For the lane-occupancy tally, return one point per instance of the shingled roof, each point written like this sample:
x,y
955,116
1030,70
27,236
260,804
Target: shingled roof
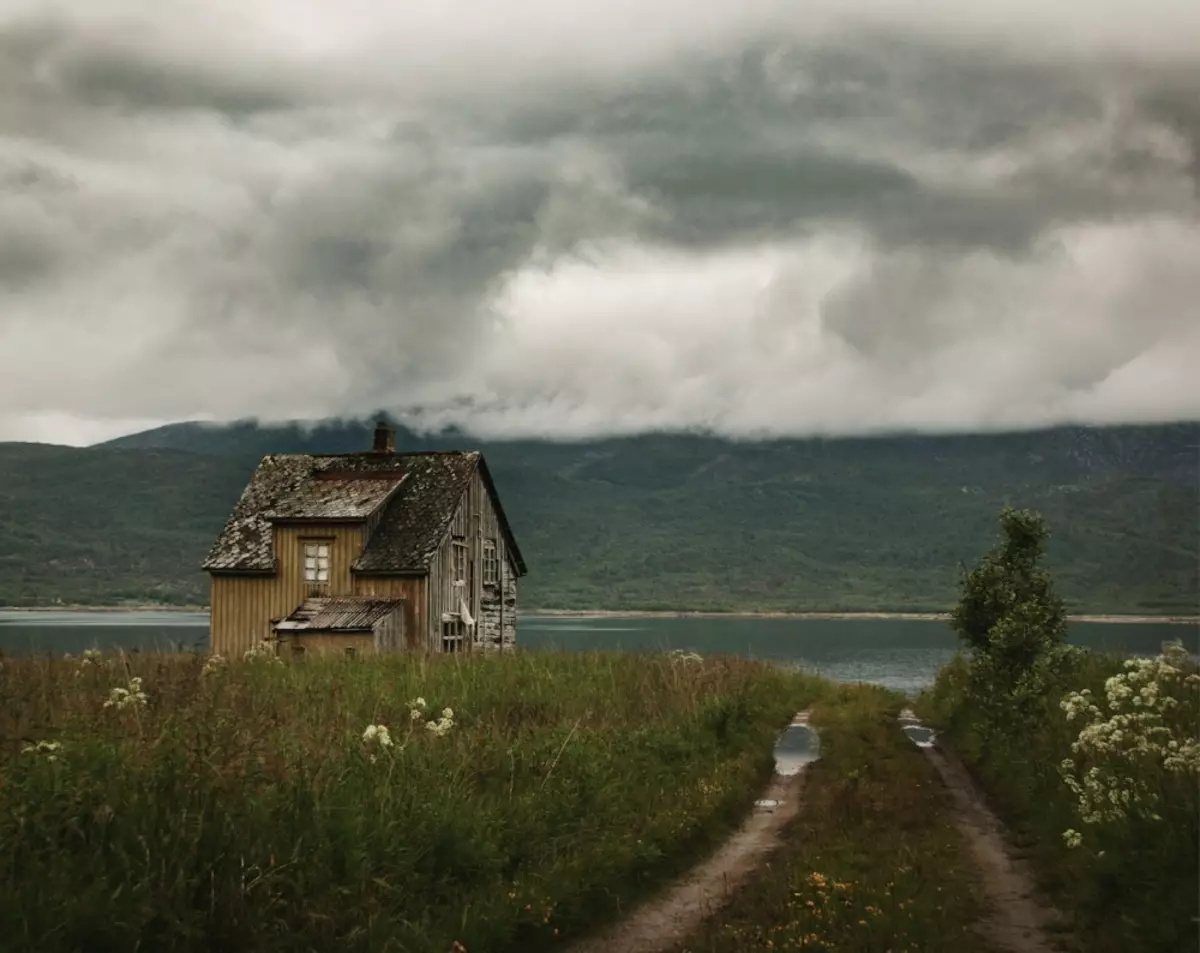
x,y
339,614
417,494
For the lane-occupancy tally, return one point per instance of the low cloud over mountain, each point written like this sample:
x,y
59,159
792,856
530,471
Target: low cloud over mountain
x,y
583,218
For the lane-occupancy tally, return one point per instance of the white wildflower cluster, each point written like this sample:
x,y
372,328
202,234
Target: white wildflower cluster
x,y
443,724
123,697
418,708
264,651
47,749
376,738
90,658
679,655
214,663
1142,733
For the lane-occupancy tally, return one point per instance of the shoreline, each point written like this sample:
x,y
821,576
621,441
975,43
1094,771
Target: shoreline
x,y
832,616
677,614
113,609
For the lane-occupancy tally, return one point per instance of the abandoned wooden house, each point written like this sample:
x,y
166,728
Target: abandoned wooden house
x,y
366,552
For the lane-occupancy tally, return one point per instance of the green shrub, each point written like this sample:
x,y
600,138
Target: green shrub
x,y
1093,759
1132,882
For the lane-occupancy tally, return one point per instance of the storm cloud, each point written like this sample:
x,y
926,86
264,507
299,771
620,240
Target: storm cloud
x,y
570,219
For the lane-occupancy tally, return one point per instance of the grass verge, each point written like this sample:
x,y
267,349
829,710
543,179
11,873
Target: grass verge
x,y
1131,886
873,862
240,808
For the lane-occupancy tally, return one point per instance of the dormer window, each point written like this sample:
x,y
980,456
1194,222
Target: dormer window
x,y
316,562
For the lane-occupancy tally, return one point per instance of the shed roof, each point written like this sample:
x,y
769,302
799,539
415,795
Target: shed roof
x,y
414,494
339,614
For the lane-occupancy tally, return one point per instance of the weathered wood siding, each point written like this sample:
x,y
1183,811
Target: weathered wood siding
x,y
388,635
508,604
390,632
409,588
327,643
493,604
244,607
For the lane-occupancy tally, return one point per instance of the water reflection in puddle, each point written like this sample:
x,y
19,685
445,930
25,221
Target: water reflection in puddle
x,y
798,746
917,733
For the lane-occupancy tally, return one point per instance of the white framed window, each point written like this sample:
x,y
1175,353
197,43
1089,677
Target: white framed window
x,y
453,635
491,562
316,562
456,581
459,568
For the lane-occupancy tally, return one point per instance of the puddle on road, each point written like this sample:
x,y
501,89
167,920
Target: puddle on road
x,y
798,746
917,733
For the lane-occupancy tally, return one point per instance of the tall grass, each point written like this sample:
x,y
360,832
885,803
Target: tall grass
x,y
1132,886
872,863
241,809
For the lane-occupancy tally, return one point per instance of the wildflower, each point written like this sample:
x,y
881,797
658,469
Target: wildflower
x,y
418,702
89,658
442,725
416,714
378,734
1114,750
264,651
130,697
376,738
48,749
1072,838
214,663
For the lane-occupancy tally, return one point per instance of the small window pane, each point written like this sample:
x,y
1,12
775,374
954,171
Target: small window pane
x,y
322,575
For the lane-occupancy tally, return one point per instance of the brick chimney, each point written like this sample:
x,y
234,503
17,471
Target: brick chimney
x,y
385,439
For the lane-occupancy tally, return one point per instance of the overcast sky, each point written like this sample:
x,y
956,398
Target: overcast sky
x,y
571,217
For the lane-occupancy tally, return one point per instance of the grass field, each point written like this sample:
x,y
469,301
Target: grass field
x,y
518,802
247,806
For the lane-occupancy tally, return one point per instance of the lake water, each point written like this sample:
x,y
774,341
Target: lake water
x,y
900,654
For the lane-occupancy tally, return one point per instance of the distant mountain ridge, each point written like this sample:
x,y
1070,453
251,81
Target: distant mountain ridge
x,y
657,521
1166,451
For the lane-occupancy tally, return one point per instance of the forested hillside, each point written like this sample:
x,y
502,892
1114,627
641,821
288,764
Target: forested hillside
x,y
657,521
